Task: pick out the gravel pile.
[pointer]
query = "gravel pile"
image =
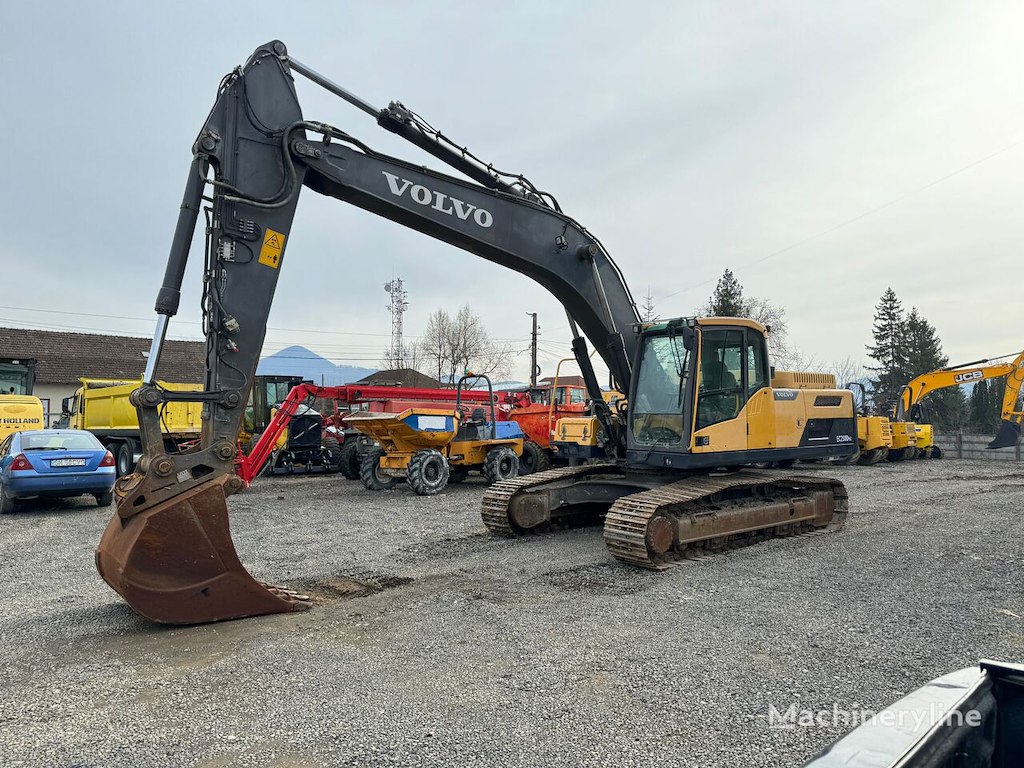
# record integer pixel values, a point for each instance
(432, 643)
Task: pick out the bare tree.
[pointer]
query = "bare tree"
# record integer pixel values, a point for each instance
(454, 345)
(409, 356)
(434, 343)
(774, 317)
(763, 311)
(847, 370)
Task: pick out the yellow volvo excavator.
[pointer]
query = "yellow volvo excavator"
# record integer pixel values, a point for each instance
(701, 405)
(910, 407)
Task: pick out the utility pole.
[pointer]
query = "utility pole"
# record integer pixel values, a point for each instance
(534, 370)
(397, 306)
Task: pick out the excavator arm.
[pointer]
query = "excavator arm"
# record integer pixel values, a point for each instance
(1009, 432)
(168, 550)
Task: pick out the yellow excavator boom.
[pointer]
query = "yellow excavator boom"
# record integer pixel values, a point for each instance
(1013, 372)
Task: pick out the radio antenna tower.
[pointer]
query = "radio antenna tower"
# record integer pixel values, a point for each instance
(397, 306)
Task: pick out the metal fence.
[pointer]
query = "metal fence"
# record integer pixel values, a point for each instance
(963, 446)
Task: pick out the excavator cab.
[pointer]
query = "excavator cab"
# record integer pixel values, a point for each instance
(703, 396)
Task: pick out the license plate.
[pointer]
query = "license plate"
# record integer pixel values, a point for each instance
(67, 463)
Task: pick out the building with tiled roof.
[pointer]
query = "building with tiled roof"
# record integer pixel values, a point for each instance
(400, 377)
(60, 358)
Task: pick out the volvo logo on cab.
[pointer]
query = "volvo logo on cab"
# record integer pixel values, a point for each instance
(438, 200)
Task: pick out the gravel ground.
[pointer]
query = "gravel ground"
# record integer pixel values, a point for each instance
(432, 643)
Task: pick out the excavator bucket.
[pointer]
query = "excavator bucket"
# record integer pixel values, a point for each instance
(175, 563)
(1007, 436)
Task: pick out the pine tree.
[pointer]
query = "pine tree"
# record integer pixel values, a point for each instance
(996, 390)
(944, 407)
(890, 351)
(648, 312)
(727, 300)
(980, 407)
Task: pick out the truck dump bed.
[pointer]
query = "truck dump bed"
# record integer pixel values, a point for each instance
(104, 408)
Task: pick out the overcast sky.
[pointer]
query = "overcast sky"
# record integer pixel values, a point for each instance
(822, 150)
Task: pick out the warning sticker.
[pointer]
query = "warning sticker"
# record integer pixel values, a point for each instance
(273, 244)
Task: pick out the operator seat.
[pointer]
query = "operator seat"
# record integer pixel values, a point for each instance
(723, 405)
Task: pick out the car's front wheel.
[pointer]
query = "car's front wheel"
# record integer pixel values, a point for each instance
(6, 502)
(104, 499)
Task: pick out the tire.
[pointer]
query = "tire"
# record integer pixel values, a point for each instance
(898, 454)
(331, 454)
(348, 460)
(370, 473)
(873, 456)
(846, 460)
(786, 463)
(6, 502)
(936, 452)
(104, 499)
(534, 459)
(501, 464)
(457, 475)
(427, 473)
(123, 459)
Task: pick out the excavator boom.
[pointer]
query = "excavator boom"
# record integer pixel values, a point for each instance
(1010, 426)
(256, 151)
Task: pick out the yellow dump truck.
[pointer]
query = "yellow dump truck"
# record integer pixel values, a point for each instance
(19, 413)
(101, 406)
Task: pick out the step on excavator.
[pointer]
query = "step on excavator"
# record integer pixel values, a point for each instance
(910, 408)
(700, 402)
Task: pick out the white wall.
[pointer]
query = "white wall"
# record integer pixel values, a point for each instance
(54, 393)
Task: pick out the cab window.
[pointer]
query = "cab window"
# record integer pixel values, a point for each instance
(721, 394)
(661, 386)
(757, 365)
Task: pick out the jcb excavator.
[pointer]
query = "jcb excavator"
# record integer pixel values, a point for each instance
(910, 408)
(699, 392)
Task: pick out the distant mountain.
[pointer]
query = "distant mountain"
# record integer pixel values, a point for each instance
(300, 362)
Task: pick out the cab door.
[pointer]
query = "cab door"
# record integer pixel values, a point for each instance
(734, 408)
(760, 407)
(720, 423)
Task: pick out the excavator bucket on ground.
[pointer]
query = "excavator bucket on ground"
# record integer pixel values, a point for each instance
(1007, 436)
(175, 563)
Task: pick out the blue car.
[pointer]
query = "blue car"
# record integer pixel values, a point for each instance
(54, 463)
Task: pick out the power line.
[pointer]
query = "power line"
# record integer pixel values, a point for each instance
(188, 322)
(864, 215)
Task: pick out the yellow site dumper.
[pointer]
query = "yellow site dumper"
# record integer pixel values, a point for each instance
(102, 407)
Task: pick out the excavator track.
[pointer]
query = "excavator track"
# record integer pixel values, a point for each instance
(494, 509)
(688, 519)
